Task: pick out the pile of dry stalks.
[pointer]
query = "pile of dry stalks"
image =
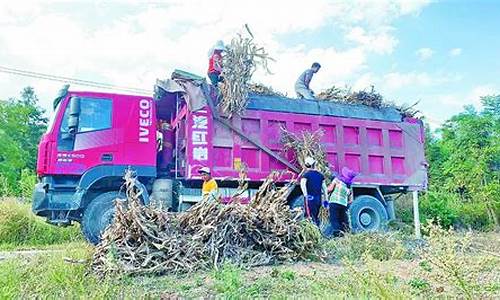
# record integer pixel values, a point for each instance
(307, 144)
(240, 61)
(261, 89)
(334, 93)
(145, 240)
(371, 98)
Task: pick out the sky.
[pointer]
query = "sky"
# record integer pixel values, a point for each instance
(444, 54)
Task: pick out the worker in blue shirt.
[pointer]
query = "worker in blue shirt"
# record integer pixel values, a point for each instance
(302, 84)
(313, 187)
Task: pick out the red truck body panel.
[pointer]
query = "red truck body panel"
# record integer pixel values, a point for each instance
(384, 153)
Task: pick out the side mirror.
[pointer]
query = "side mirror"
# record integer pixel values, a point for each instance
(74, 114)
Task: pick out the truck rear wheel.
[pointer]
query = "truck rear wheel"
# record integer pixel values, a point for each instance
(367, 214)
(98, 214)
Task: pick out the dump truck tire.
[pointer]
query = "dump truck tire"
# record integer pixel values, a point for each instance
(98, 214)
(367, 214)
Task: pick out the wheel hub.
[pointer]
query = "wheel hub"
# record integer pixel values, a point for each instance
(365, 218)
(107, 218)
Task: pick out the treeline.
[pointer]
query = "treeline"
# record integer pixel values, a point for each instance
(22, 123)
(463, 155)
(464, 173)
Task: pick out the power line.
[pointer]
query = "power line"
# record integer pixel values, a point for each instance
(64, 79)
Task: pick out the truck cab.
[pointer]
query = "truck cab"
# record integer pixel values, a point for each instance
(90, 142)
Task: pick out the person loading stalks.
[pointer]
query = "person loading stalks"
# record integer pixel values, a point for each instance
(215, 63)
(302, 84)
(339, 199)
(313, 187)
(210, 189)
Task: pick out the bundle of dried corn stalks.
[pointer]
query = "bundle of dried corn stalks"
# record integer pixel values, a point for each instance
(307, 144)
(371, 98)
(146, 240)
(334, 93)
(240, 61)
(261, 89)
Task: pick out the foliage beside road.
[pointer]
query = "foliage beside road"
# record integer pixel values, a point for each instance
(366, 266)
(19, 228)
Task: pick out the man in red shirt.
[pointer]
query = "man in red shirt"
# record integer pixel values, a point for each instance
(215, 63)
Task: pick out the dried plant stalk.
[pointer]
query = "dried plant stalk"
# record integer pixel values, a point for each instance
(261, 89)
(145, 240)
(307, 144)
(371, 98)
(240, 61)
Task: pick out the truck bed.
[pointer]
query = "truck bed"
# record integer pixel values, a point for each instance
(322, 108)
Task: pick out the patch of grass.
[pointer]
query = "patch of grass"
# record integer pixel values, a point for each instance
(20, 227)
(419, 286)
(50, 276)
(228, 280)
(46, 275)
(372, 282)
(380, 246)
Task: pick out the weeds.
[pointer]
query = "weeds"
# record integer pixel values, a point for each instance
(228, 280)
(447, 261)
(20, 228)
(381, 285)
(379, 246)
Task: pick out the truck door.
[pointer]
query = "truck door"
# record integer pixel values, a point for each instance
(86, 137)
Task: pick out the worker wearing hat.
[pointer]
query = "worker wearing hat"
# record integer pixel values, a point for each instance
(215, 63)
(313, 187)
(210, 189)
(340, 197)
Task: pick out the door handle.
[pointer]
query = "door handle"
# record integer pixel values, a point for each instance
(107, 157)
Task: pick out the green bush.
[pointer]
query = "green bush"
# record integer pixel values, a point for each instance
(26, 184)
(452, 211)
(379, 246)
(439, 205)
(19, 227)
(404, 209)
(473, 215)
(5, 187)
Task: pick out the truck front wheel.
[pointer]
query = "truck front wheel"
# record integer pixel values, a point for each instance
(367, 214)
(98, 214)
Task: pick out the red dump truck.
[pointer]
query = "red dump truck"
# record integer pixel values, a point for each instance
(94, 137)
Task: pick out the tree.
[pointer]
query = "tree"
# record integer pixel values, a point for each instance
(467, 156)
(21, 125)
(36, 124)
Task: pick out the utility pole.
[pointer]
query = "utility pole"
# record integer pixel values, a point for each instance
(416, 215)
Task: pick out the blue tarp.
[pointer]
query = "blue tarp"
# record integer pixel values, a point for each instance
(322, 108)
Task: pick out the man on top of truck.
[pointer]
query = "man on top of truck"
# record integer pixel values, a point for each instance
(210, 189)
(215, 63)
(302, 84)
(313, 187)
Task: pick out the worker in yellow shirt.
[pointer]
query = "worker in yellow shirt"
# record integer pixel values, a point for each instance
(210, 189)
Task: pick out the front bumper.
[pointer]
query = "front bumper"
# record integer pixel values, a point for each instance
(50, 197)
(40, 199)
